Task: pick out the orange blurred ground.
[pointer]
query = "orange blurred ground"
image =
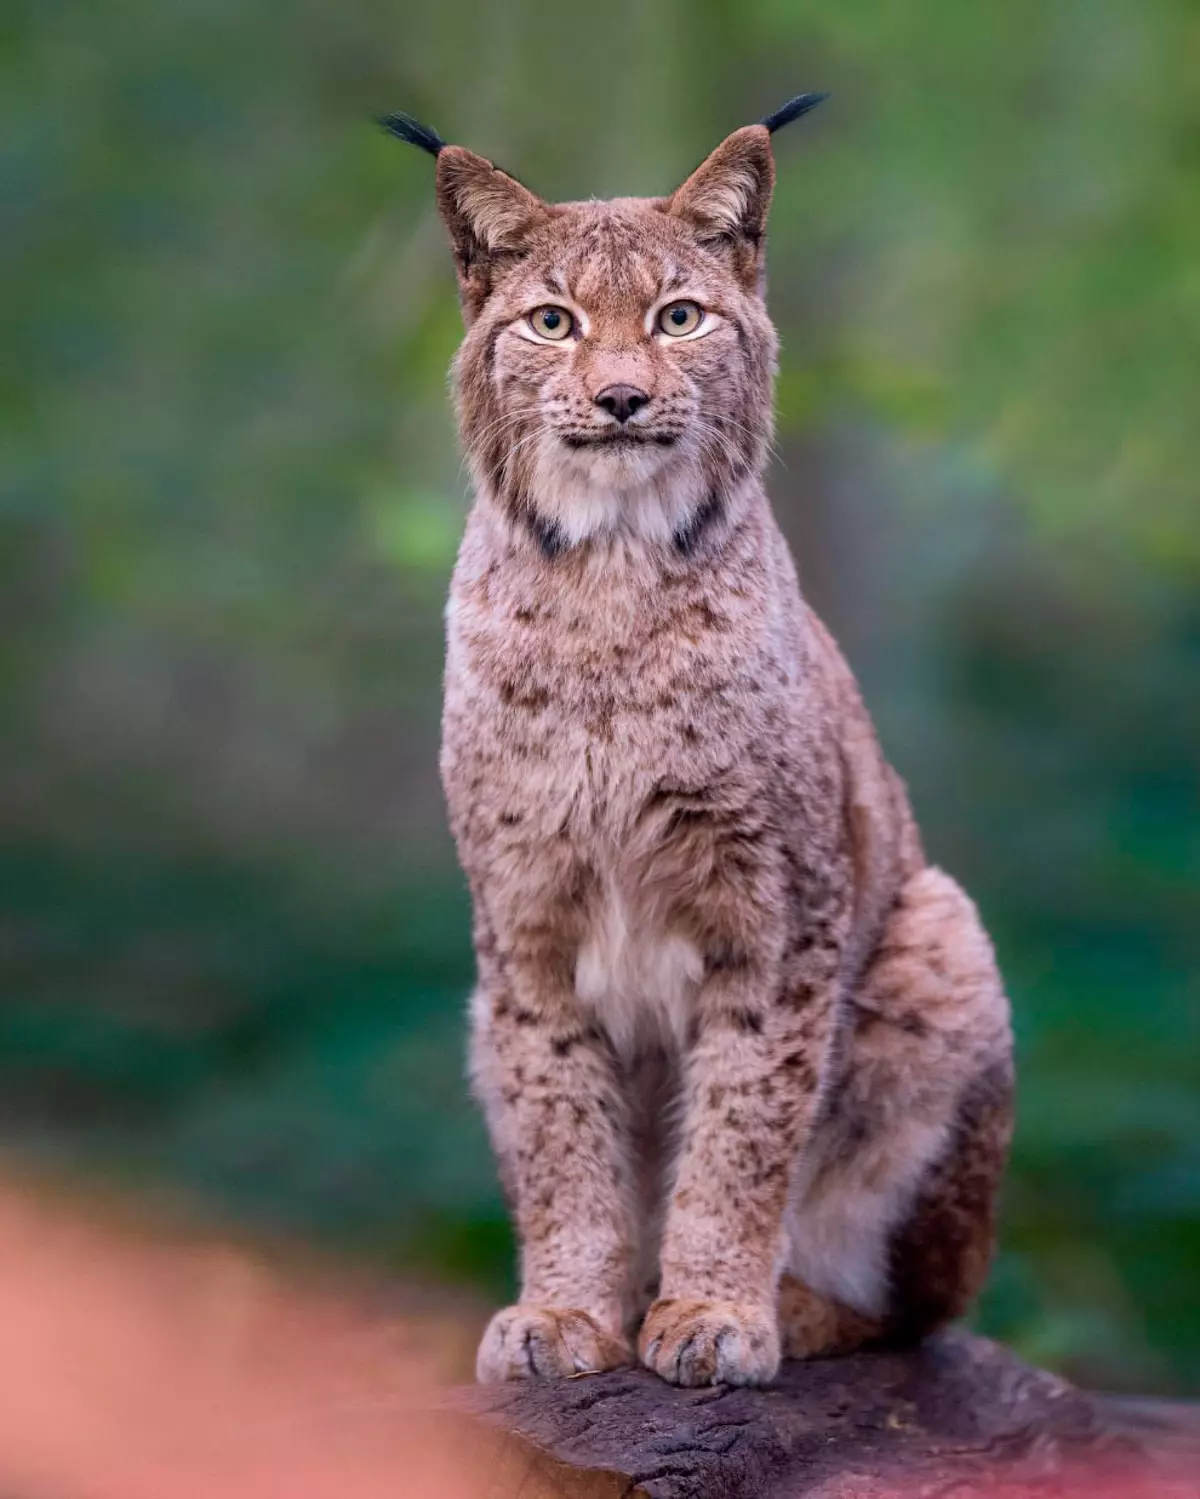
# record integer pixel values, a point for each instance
(133, 1367)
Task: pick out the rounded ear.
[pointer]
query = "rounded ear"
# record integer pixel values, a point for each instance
(726, 199)
(490, 216)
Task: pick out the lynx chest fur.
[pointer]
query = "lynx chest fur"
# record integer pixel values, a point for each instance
(600, 721)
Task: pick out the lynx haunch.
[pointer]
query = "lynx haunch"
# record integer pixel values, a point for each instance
(744, 1055)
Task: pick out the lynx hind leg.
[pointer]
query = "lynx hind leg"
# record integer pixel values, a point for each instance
(940, 1253)
(891, 1218)
(816, 1326)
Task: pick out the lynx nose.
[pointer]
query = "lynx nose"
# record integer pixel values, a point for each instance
(622, 401)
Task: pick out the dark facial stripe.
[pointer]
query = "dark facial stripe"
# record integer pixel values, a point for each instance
(489, 349)
(547, 534)
(689, 535)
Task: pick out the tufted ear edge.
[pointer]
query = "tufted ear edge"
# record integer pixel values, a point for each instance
(487, 212)
(725, 201)
(727, 198)
(730, 191)
(489, 215)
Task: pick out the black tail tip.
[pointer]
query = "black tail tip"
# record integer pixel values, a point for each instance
(792, 110)
(405, 128)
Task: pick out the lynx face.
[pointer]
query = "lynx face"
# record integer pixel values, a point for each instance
(616, 372)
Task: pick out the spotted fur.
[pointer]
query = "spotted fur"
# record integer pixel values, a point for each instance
(744, 1056)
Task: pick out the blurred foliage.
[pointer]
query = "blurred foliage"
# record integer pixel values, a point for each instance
(234, 948)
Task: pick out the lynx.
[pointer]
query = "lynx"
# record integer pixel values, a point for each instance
(744, 1055)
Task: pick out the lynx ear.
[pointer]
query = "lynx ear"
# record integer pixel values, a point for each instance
(490, 217)
(488, 213)
(726, 198)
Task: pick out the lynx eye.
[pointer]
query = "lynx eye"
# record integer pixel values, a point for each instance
(678, 318)
(554, 323)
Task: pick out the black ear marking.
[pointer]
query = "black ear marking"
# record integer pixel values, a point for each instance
(792, 110)
(411, 131)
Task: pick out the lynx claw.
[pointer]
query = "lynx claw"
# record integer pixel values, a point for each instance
(710, 1342)
(544, 1342)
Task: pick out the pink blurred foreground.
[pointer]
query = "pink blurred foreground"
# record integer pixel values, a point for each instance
(136, 1368)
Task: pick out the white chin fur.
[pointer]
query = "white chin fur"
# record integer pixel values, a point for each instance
(644, 493)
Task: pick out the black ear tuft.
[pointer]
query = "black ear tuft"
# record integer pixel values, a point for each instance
(792, 110)
(405, 128)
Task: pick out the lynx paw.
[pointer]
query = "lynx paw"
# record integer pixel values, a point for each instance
(545, 1342)
(710, 1342)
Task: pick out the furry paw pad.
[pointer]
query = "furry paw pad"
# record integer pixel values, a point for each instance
(545, 1342)
(710, 1342)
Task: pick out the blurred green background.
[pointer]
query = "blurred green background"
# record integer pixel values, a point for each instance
(234, 942)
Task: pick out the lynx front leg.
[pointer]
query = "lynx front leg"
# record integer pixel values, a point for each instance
(549, 1091)
(754, 1080)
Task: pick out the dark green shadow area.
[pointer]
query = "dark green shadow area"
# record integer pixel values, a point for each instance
(286, 1057)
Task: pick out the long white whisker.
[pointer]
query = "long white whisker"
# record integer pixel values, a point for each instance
(771, 444)
(707, 430)
(477, 438)
(751, 432)
(539, 431)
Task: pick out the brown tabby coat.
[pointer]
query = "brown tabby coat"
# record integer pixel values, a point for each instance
(744, 1055)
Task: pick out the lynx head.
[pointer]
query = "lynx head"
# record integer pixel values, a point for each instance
(615, 377)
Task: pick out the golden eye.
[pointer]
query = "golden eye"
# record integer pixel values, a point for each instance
(554, 323)
(678, 318)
